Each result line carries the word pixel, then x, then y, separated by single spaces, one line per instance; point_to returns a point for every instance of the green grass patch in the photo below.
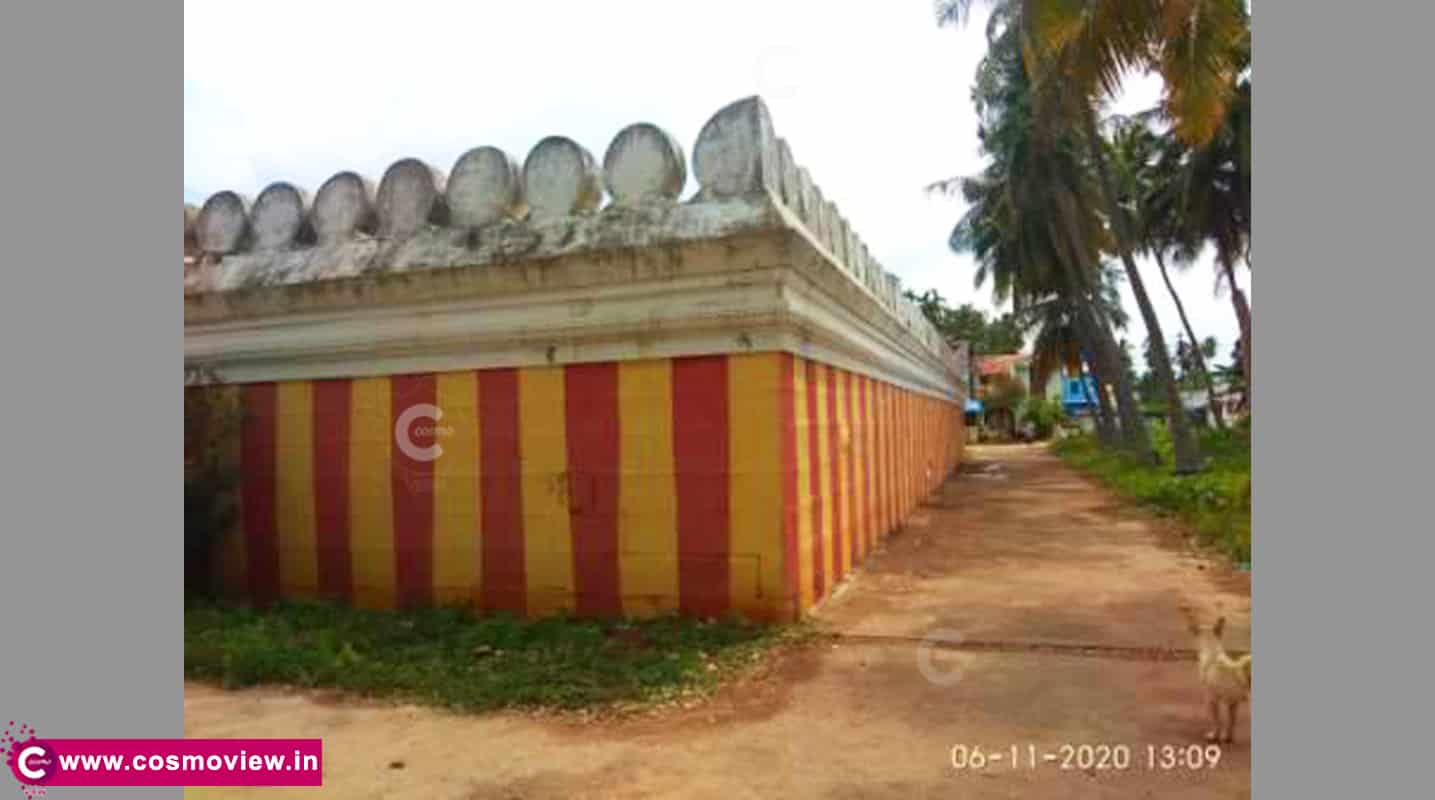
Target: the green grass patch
pixel 453 659
pixel 1216 502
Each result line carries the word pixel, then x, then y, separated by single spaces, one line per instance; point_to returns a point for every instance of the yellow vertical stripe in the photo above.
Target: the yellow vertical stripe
pixel 803 425
pixel 294 490
pixel 842 385
pixel 371 505
pixel 647 492
pixel 755 482
pixel 824 474
pixel 543 443
pixel 456 523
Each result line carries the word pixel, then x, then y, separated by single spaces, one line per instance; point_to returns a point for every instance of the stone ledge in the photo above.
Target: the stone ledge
pixel 777 294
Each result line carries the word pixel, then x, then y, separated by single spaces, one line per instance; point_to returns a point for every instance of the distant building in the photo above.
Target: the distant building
pixel 1198 404
pixel 1069 385
pixel 986 372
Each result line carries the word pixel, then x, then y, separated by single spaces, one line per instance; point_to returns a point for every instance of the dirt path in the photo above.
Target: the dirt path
pixel 1063 609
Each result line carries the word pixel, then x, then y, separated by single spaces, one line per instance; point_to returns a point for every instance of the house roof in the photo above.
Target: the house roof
pixel 1000 364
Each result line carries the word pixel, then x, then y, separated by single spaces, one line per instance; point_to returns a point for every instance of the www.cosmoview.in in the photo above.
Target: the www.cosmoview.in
pixel 168 762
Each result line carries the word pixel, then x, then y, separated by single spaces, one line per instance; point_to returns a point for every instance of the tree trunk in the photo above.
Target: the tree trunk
pixel 1133 425
pixel 1195 343
pixel 1243 318
pixel 1107 428
pixel 1187 452
pixel 1101 411
pixel 1107 352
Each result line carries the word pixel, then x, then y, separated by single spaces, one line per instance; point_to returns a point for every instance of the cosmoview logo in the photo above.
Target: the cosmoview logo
pixel 405 430
pixel 930 651
pixel 31 761
pixel 36 762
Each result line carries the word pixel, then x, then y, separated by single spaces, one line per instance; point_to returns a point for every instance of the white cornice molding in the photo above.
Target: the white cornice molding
pixel 752 281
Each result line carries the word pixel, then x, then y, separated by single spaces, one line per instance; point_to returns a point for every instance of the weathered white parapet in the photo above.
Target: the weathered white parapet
pixel 191 237
pixel 736 152
pixel 894 291
pixel 222 225
pixel 474 232
pixel 561 179
pixel 343 209
pixel 644 164
pixel 792 187
pixel 410 197
pixel 279 217
pixel 485 186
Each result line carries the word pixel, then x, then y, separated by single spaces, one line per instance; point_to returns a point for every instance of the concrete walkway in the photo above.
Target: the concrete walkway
pixel 1061 606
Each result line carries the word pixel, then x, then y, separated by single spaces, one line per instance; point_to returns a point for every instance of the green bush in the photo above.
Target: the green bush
pixel 1215 502
pixel 213 415
pixel 1044 415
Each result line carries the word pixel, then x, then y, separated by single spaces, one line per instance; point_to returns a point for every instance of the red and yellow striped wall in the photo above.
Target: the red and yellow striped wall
pixel 706 485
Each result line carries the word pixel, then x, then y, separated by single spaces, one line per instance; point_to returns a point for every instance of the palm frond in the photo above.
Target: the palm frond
pixel 953 12
pixel 1203 43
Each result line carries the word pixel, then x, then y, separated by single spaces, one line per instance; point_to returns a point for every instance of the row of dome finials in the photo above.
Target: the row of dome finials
pixel 736 154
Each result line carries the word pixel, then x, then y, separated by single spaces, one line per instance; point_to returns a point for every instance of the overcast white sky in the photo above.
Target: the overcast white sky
pixel 873 97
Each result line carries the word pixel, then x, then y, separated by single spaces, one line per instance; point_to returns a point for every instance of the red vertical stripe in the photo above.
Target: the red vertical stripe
pixel 879 465
pixel 504 584
pixel 854 430
pixel 700 458
pixel 257 455
pixel 814 460
pixel 873 394
pixel 332 407
pixel 914 453
pixel 909 459
pixel 834 448
pixel 879 516
pixel 864 408
pixel 900 415
pixel 412 471
pixel 787 429
pixel 874 397
pixel 894 435
pixel 593 419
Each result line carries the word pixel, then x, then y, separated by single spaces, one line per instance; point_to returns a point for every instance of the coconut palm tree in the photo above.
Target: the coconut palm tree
pixel 1058 342
pixel 1148 183
pixel 1212 200
pixel 1030 222
pixel 1078 52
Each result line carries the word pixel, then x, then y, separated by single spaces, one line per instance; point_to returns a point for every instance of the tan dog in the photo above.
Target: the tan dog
pixel 1226 680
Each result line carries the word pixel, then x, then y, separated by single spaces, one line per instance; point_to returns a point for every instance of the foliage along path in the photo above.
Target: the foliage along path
pixel 1062 606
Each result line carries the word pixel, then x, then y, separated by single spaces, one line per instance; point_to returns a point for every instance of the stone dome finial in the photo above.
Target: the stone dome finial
pixel 484 187
pixel 644 163
pixel 560 178
pixel 736 151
